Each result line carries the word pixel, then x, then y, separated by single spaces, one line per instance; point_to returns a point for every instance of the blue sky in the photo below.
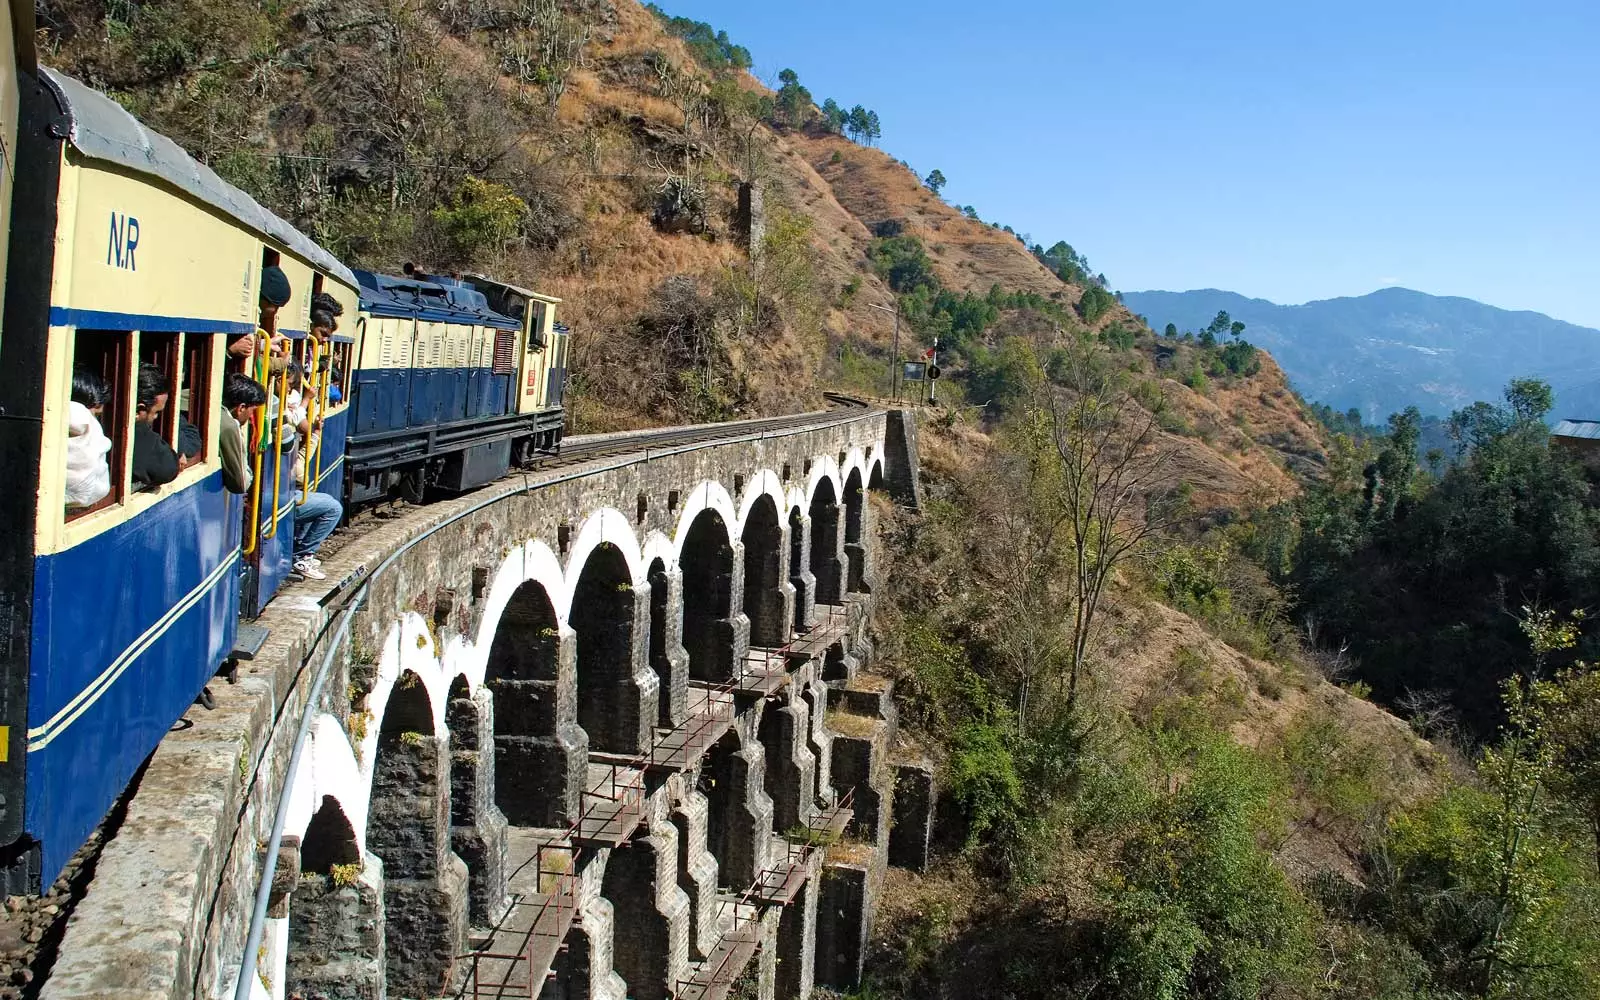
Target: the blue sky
pixel 1291 150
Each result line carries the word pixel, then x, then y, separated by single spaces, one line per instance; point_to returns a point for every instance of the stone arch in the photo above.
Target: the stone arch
pixel 329 768
pixel 715 630
pixel 827 543
pixel 855 520
pixel 606 528
pixel 540 749
pixel 708 495
pixel 768 594
pixel 875 479
pixel 329 840
pixel 408 826
pixel 823 470
pixel 617 691
pixel 532 562
pixel 334 943
pixel 763 485
pixel 668 658
pixel 409 709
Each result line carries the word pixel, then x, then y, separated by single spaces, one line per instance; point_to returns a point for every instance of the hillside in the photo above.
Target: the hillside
pixel 580 148
pixel 1396 348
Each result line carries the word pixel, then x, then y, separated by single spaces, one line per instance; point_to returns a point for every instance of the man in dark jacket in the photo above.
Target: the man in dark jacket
pixel 154 461
pixel 240 395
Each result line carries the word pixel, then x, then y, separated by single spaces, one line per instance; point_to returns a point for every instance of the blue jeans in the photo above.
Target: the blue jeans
pixel 314 521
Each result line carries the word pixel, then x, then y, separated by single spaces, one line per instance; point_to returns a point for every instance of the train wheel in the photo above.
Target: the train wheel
pixel 413 485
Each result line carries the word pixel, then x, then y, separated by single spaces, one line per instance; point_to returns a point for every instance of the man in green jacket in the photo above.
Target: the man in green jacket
pixel 240 395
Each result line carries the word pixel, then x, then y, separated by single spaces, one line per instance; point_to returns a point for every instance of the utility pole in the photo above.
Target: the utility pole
pixel 894 357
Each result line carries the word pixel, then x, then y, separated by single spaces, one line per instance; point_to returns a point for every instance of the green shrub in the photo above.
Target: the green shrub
pixel 903 263
pixel 1195 906
pixel 481 217
pixel 1095 303
pixel 983 780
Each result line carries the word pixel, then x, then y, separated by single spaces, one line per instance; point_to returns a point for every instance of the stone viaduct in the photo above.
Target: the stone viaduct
pixel 600 733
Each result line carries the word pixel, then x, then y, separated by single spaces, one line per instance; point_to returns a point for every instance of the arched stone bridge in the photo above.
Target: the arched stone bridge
pixel 578 745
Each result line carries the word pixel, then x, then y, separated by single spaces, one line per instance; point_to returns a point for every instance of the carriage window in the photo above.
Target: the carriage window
pixel 161 351
pixel 195 402
pixel 338 372
pixel 536 328
pixel 97 449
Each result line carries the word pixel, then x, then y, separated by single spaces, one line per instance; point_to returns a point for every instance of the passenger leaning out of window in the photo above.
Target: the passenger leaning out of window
pixel 275 294
pixel 315 514
pixel 154 461
pixel 88 474
pixel 241 395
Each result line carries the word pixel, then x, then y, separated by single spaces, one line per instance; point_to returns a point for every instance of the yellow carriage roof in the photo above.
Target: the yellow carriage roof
pixel 103 130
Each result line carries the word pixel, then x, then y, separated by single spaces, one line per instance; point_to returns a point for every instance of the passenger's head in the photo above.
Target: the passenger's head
pixel 323 324
pixel 153 390
pixel 275 293
pixel 241 394
pixel 296 373
pixel 89 389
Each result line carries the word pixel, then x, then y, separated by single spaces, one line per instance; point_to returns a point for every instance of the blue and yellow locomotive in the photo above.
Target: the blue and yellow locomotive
pixel 134 259
pixel 457 380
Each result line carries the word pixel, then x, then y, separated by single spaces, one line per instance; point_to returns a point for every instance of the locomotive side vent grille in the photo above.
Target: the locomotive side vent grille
pixel 505 348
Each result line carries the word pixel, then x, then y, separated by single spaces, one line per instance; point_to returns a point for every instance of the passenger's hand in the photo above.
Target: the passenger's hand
pixel 244 347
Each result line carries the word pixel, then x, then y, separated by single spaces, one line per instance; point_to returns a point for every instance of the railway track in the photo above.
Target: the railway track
pixel 586 448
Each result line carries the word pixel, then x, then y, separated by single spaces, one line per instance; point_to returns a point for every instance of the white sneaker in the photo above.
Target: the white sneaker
pixel 307 568
pixel 313 560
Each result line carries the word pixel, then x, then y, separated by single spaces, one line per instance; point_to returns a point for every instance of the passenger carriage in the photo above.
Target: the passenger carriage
pixel 116 615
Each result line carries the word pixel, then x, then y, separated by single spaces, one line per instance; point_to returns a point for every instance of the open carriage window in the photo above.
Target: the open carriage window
pixel 194 397
pixel 160 351
pixel 97 427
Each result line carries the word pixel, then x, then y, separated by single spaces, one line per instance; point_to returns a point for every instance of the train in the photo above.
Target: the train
pixel 132 257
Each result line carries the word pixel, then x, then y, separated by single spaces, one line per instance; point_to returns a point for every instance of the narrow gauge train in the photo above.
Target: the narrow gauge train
pixel 114 616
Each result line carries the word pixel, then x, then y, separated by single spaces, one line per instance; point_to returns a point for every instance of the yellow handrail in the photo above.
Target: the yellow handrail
pixel 312 482
pixel 308 386
pixel 277 448
pixel 258 425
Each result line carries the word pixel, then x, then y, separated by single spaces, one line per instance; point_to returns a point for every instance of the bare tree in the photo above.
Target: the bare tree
pixel 1018 498
pixel 1112 470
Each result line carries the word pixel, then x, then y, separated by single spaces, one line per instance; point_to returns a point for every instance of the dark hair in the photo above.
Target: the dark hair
pixel 89 389
pixel 152 383
pixel 241 390
pixel 323 319
pixel 327 303
pixel 296 370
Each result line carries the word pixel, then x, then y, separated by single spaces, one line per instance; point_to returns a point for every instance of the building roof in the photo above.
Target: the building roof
pixel 102 129
pixel 1578 429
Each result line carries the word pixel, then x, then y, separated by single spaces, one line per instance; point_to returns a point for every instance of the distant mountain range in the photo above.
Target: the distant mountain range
pixel 1396 348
